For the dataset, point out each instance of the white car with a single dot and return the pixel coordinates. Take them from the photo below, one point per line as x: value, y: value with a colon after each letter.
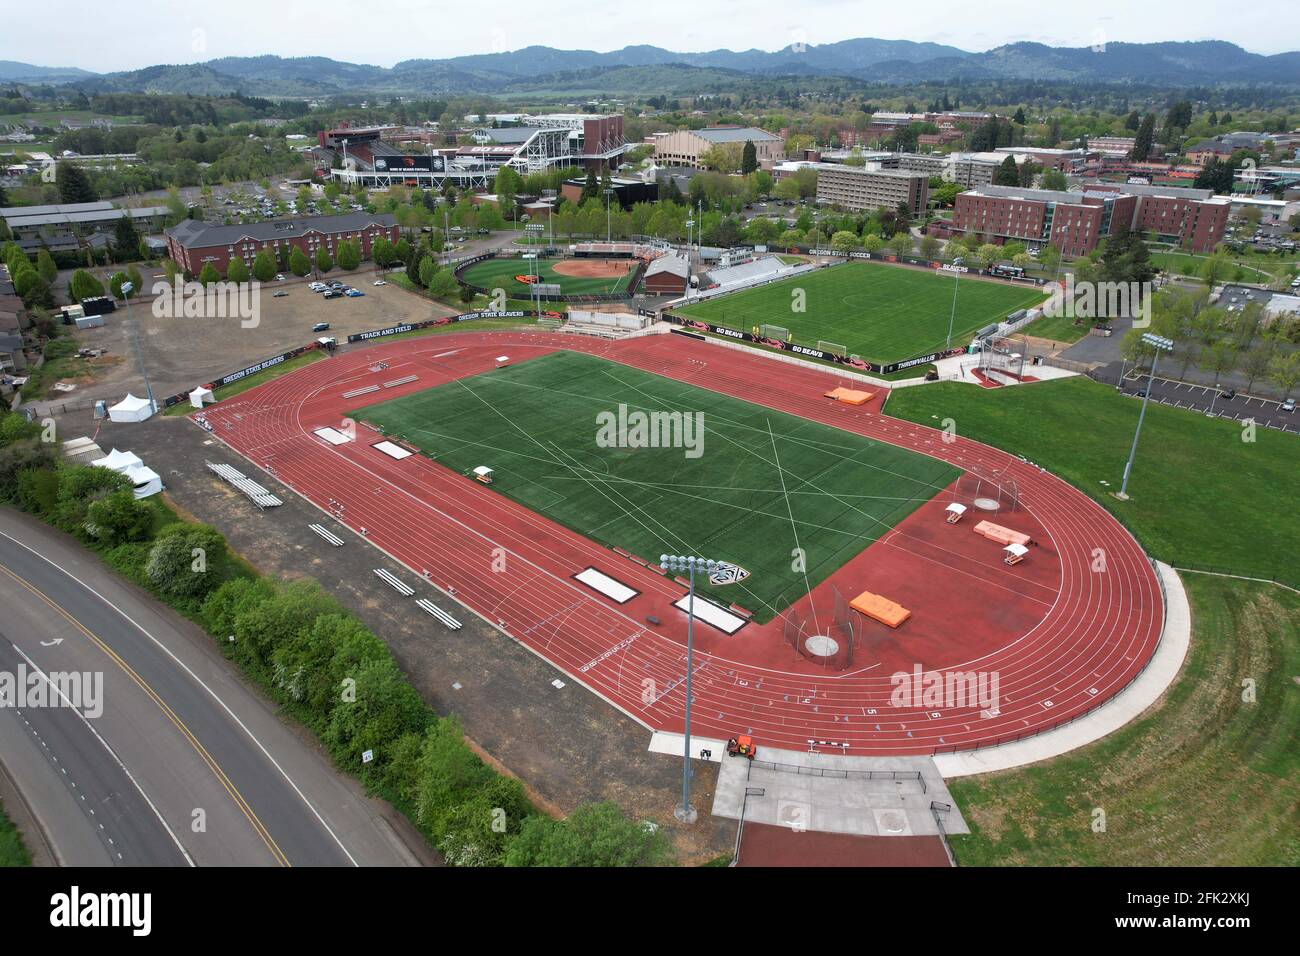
x: 379, y: 282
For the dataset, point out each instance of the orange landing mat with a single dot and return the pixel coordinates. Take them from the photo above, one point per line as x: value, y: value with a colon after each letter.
x: 880, y: 609
x: 850, y: 396
x: 995, y: 532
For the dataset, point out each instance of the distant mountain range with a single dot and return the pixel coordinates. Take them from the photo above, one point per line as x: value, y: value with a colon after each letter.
x: 1202, y: 63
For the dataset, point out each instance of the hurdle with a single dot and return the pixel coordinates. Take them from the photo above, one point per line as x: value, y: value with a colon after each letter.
x: 428, y: 606
x: 401, y: 587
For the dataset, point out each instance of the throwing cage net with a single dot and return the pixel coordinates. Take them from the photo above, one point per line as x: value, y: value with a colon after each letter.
x: 830, y: 644
x: 996, y: 493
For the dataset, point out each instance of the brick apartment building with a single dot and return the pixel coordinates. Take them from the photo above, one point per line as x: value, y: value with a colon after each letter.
x: 193, y: 244
x: 865, y: 187
x: 1075, y: 222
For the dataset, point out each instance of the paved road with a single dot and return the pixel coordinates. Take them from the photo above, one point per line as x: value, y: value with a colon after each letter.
x: 183, y: 762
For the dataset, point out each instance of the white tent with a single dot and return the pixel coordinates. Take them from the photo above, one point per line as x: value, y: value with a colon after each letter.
x: 200, y: 395
x: 144, y: 480
x: 119, y: 461
x: 130, y: 409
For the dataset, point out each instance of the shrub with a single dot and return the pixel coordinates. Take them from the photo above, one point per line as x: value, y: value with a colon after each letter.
x: 187, y: 560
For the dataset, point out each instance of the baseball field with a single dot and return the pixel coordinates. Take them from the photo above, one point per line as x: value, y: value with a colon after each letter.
x: 573, y: 276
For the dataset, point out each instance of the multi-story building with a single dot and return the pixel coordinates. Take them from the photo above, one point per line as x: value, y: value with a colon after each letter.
x: 1075, y: 222
x: 686, y: 147
x: 193, y: 244
x: 870, y: 187
x: 68, y: 226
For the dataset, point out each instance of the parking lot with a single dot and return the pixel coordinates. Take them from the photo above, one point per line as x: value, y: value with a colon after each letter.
x: 183, y: 352
x: 1201, y: 398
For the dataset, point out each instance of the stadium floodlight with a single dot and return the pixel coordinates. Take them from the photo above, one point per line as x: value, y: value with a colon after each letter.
x: 690, y: 564
x: 609, y: 191
x: 1158, y: 344
x: 956, y: 276
x: 127, y: 289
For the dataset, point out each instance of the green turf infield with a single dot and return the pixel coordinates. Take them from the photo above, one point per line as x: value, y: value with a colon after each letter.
x: 500, y: 274
x: 763, y: 483
x: 883, y: 313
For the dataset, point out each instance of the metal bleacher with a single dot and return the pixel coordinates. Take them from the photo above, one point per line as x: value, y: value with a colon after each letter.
x: 255, y: 492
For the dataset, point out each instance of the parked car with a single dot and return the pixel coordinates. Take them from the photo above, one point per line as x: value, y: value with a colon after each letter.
x: 353, y: 293
x: 379, y: 282
x: 1228, y: 394
x: 320, y: 327
x: 279, y: 277
x: 333, y: 294
x: 1288, y: 405
x: 279, y: 293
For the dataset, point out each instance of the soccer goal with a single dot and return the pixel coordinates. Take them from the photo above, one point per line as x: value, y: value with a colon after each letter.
x: 779, y: 332
x: 834, y: 348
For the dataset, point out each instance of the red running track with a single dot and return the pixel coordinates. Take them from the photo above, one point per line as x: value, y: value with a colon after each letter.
x: 1068, y: 638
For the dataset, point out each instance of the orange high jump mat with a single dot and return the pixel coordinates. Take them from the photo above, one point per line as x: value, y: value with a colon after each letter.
x: 850, y: 396
x: 1004, y: 536
x: 880, y: 609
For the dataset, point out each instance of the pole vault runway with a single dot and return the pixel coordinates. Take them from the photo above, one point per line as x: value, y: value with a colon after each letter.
x: 1062, y: 635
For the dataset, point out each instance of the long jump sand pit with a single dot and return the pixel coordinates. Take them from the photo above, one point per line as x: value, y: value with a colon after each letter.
x: 593, y: 268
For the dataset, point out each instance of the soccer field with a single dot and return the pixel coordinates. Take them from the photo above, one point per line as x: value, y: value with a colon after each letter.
x: 762, y: 485
x: 882, y: 313
x: 500, y: 274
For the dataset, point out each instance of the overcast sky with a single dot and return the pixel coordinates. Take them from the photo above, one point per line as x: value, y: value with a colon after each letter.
x: 90, y: 35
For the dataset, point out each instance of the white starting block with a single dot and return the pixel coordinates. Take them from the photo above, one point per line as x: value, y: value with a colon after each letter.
x: 1015, y: 553
x: 955, y: 512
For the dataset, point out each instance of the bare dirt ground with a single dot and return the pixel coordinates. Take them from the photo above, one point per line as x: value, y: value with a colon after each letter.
x: 181, y: 353
x: 594, y: 268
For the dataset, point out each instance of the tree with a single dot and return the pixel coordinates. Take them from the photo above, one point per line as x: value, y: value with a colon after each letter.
x: 263, y: 266
x: 748, y: 158
x: 187, y: 560
x: 74, y: 185
x: 236, y: 271
x: 930, y: 247
x: 1054, y: 179
x: 443, y: 284
x: 1019, y: 118
x: 1144, y: 139
x: 381, y: 250
x: 45, y: 266
x: 844, y: 241
x: 299, y: 264
x: 593, y: 835
x: 349, y: 255
x: 119, y: 517
x: 1008, y: 173
x: 126, y: 241
x: 425, y: 271
x: 209, y: 274
x: 1284, y: 371
x: 324, y: 262
x: 902, y: 243
x: 83, y: 285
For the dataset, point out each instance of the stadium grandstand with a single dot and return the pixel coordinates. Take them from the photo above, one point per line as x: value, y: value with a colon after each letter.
x: 362, y: 156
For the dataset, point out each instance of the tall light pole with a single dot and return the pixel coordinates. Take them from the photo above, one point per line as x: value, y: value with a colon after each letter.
x: 1159, y: 344
x: 689, y: 224
x: 127, y: 289
x: 690, y: 564
x: 608, y: 232
x: 535, y: 269
x: 956, y: 277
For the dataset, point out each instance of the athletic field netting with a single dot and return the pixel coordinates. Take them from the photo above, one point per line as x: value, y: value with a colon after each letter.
x: 884, y: 313
x: 763, y: 485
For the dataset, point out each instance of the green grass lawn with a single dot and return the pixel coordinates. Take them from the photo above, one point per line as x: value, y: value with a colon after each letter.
x: 763, y: 484
x: 1200, y: 495
x: 883, y: 313
x: 1204, y: 779
x: 500, y: 274
x: 1058, y: 328
x: 12, y: 851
